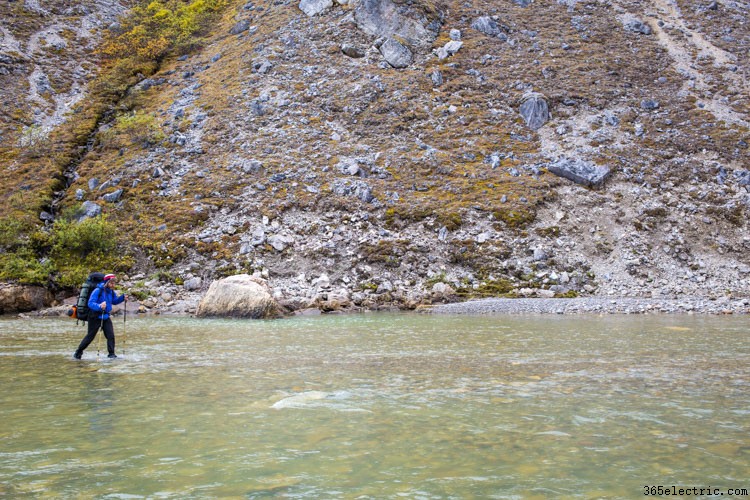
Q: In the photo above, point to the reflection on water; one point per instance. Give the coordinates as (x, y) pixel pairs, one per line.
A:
(377, 406)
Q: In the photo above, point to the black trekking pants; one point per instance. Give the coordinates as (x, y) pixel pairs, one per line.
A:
(109, 334)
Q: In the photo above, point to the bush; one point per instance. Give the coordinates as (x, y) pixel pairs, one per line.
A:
(81, 247)
(24, 266)
(134, 129)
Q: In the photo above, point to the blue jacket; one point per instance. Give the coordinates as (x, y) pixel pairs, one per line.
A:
(103, 294)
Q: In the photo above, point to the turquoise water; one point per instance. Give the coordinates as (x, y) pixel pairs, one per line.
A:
(376, 406)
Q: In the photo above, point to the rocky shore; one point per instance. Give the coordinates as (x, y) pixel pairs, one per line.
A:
(188, 305)
(597, 305)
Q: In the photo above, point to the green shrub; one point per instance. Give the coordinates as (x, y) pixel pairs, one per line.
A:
(25, 267)
(134, 129)
(77, 248)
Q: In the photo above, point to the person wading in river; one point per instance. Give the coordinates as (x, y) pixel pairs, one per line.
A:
(100, 305)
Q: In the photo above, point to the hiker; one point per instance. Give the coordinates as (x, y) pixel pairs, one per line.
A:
(100, 305)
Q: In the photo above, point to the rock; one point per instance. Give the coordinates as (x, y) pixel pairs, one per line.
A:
(90, 210)
(487, 25)
(280, 242)
(384, 18)
(240, 27)
(449, 49)
(579, 171)
(442, 290)
(540, 254)
(113, 197)
(396, 54)
(80, 194)
(635, 25)
(455, 34)
(239, 296)
(352, 51)
(360, 189)
(315, 7)
(535, 110)
(437, 78)
(193, 284)
(21, 298)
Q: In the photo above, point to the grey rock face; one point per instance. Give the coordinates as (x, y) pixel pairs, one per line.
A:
(579, 171)
(396, 54)
(535, 110)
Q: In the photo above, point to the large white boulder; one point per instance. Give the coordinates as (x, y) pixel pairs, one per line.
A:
(239, 296)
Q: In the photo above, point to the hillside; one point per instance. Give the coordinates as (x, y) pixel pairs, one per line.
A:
(374, 152)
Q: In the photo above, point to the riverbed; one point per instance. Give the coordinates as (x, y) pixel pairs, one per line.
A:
(376, 406)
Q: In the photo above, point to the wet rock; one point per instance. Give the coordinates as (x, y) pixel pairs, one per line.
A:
(239, 296)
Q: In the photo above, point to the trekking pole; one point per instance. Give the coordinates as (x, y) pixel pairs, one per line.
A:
(99, 342)
(125, 326)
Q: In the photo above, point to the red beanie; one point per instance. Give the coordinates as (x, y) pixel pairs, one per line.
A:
(109, 277)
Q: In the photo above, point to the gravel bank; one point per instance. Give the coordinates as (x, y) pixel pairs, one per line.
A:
(596, 305)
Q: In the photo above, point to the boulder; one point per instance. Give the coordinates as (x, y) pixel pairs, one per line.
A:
(89, 210)
(22, 298)
(240, 27)
(450, 48)
(315, 7)
(384, 18)
(635, 25)
(579, 171)
(239, 296)
(487, 25)
(535, 110)
(396, 54)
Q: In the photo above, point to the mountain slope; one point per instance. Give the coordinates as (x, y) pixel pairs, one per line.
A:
(290, 145)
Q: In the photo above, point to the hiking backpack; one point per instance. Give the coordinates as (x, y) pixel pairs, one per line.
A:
(81, 309)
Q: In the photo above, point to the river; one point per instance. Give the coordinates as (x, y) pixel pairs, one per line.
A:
(376, 406)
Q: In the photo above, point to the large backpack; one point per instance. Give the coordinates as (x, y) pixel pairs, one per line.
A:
(81, 310)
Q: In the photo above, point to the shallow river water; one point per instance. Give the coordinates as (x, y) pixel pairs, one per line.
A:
(377, 406)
